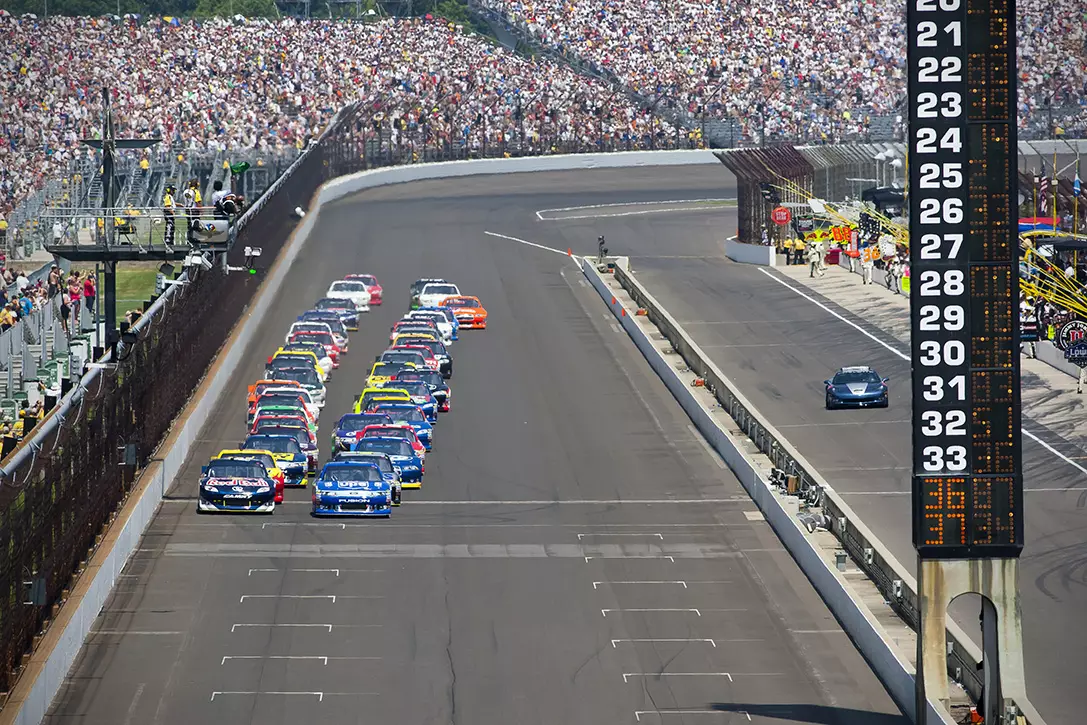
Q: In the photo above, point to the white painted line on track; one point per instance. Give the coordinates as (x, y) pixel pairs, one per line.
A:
(541, 212)
(330, 597)
(596, 585)
(319, 695)
(125, 632)
(906, 357)
(688, 611)
(322, 658)
(530, 244)
(669, 558)
(661, 713)
(302, 523)
(627, 675)
(334, 571)
(614, 642)
(623, 533)
(584, 502)
(234, 627)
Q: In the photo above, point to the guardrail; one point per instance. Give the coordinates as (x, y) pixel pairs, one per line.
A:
(893, 580)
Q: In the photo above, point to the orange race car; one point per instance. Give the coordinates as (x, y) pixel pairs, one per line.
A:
(469, 311)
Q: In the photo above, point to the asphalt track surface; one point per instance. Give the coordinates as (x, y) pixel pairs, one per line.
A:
(576, 555)
(778, 348)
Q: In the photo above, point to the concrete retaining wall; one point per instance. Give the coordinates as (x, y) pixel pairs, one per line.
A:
(760, 254)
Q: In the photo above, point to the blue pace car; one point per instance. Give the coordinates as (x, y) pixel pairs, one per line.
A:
(350, 424)
(382, 461)
(405, 462)
(352, 488)
(413, 415)
(858, 386)
(235, 485)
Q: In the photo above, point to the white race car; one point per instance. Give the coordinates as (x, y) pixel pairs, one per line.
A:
(433, 293)
(353, 290)
(445, 327)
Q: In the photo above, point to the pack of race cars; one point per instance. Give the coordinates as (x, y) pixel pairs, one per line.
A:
(380, 448)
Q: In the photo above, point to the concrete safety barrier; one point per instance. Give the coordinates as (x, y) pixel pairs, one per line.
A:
(761, 254)
(68, 633)
(894, 581)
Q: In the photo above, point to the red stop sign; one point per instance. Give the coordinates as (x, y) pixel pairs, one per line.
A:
(781, 215)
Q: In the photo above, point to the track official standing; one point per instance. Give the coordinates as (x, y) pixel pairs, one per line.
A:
(192, 206)
(169, 207)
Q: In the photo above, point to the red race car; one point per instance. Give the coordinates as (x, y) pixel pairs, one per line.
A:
(320, 338)
(394, 431)
(372, 285)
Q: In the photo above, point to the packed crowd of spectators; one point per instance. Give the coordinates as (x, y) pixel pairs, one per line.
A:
(222, 84)
(803, 69)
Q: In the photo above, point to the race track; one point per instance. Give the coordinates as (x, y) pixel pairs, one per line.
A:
(778, 348)
(577, 555)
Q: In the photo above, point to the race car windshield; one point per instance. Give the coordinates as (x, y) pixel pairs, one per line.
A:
(236, 469)
(304, 347)
(316, 338)
(352, 473)
(299, 434)
(439, 289)
(394, 447)
(305, 376)
(279, 399)
(348, 287)
(462, 302)
(389, 433)
(402, 357)
(367, 279)
(432, 316)
(420, 284)
(329, 318)
(275, 444)
(351, 425)
(261, 458)
(416, 388)
(295, 411)
(404, 415)
(853, 378)
(335, 303)
(430, 377)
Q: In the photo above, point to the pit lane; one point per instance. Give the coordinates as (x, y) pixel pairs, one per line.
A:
(576, 554)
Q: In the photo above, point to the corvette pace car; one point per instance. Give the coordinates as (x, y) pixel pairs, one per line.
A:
(352, 488)
(858, 386)
(382, 461)
(241, 486)
(408, 465)
(376, 292)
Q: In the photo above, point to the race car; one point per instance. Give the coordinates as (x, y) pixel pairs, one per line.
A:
(306, 440)
(300, 356)
(265, 458)
(436, 347)
(280, 405)
(242, 486)
(445, 327)
(401, 356)
(469, 311)
(395, 430)
(350, 488)
(411, 414)
(288, 395)
(435, 381)
(257, 389)
(376, 292)
(376, 394)
(317, 337)
(288, 455)
(330, 318)
(434, 292)
(421, 396)
(382, 461)
(413, 325)
(342, 306)
(350, 424)
(307, 377)
(351, 290)
(280, 417)
(382, 371)
(417, 287)
(429, 360)
(407, 464)
(858, 386)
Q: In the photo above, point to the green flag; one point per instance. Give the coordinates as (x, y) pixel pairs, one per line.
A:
(239, 168)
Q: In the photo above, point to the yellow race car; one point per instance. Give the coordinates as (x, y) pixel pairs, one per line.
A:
(384, 395)
(382, 372)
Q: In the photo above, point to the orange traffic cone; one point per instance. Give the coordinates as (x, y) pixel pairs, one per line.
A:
(569, 252)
